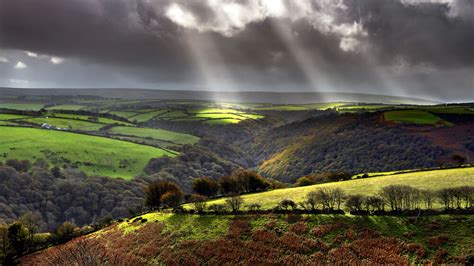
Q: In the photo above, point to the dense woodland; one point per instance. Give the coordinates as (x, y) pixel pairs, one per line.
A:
(67, 196)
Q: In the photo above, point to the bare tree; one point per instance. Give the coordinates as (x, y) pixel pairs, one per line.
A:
(355, 202)
(234, 202)
(199, 203)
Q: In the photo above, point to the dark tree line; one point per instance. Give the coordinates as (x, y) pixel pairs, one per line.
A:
(239, 181)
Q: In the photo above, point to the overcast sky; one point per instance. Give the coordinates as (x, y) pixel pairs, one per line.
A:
(421, 48)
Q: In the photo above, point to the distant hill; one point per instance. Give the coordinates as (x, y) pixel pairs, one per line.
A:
(242, 97)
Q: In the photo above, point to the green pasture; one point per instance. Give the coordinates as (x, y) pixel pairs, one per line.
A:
(22, 106)
(124, 114)
(413, 117)
(432, 180)
(94, 155)
(4, 117)
(70, 107)
(102, 120)
(66, 123)
(158, 134)
(146, 116)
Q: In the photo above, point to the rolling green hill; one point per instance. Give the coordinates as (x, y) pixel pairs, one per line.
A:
(93, 155)
(432, 180)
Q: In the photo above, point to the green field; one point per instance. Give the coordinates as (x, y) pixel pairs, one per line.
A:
(72, 107)
(459, 110)
(102, 120)
(224, 121)
(413, 117)
(158, 134)
(301, 107)
(4, 117)
(216, 111)
(357, 108)
(7, 123)
(191, 113)
(66, 123)
(146, 116)
(123, 114)
(22, 106)
(432, 180)
(93, 155)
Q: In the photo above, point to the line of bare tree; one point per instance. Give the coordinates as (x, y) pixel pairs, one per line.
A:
(394, 198)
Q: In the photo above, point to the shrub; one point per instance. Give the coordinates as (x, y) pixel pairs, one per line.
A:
(65, 232)
(286, 204)
(329, 198)
(304, 181)
(254, 207)
(155, 191)
(437, 241)
(234, 202)
(205, 186)
(355, 203)
(229, 185)
(172, 198)
(199, 203)
(401, 197)
(374, 203)
(217, 208)
(19, 165)
(243, 181)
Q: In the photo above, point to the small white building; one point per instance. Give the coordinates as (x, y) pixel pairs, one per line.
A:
(46, 126)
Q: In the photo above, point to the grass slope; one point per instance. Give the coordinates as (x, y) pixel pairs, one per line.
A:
(435, 179)
(412, 116)
(66, 123)
(22, 106)
(94, 155)
(4, 117)
(179, 239)
(158, 134)
(73, 107)
(102, 120)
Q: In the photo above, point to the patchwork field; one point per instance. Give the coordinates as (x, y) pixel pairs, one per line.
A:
(432, 180)
(220, 116)
(93, 155)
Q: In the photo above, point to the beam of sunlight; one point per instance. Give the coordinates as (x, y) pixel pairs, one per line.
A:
(311, 64)
(212, 70)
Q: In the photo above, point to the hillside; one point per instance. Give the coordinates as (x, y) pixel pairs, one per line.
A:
(222, 96)
(362, 142)
(173, 239)
(432, 180)
(94, 155)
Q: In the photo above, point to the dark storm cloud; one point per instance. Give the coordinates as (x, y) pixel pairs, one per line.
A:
(356, 45)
